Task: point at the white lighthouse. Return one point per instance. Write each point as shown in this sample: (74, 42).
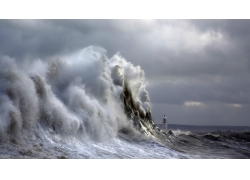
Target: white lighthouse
(164, 123)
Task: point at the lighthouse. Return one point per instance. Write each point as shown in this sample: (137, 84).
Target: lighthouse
(164, 123)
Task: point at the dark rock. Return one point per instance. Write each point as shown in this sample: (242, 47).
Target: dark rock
(170, 132)
(61, 157)
(211, 137)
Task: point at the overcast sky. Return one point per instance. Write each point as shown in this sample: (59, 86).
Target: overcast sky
(198, 71)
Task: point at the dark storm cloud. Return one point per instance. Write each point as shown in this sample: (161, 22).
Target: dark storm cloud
(235, 28)
(42, 38)
(220, 90)
(202, 61)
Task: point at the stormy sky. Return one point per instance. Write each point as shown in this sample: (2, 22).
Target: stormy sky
(197, 70)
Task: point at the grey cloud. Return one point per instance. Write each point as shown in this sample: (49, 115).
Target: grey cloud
(44, 38)
(220, 90)
(233, 27)
(236, 30)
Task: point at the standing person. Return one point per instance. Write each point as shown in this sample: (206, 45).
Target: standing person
(164, 122)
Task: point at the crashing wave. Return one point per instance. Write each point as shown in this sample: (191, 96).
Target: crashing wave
(85, 95)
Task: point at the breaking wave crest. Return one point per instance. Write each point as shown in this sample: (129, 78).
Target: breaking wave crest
(82, 105)
(80, 95)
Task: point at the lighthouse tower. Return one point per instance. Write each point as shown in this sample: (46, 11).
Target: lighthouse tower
(164, 123)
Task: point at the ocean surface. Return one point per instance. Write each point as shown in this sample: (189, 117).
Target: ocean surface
(88, 106)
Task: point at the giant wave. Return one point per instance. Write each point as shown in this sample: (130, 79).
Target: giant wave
(82, 105)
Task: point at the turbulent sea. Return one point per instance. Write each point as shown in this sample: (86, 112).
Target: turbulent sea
(88, 106)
